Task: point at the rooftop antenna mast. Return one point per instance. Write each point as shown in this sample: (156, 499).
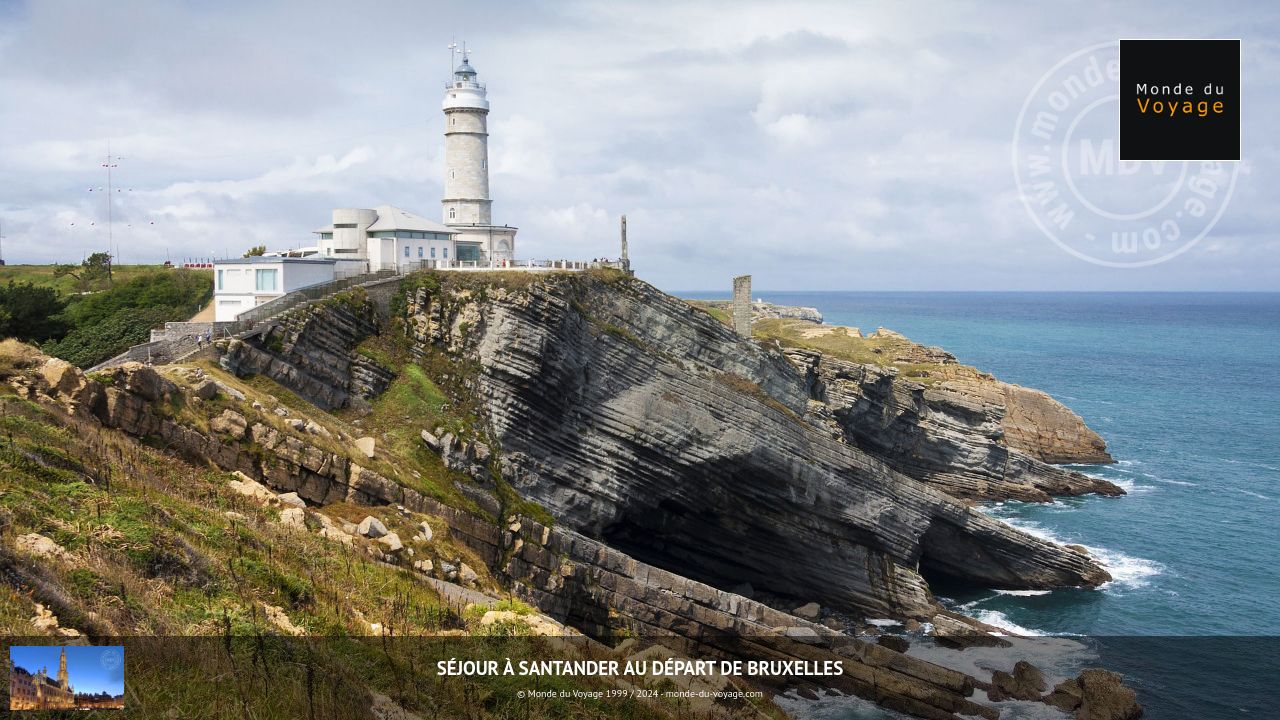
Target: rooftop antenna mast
(453, 54)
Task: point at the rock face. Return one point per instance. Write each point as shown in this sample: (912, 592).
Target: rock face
(311, 352)
(640, 421)
(951, 434)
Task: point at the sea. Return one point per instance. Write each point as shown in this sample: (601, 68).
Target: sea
(1185, 389)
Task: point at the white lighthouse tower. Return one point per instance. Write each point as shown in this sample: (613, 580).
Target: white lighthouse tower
(466, 204)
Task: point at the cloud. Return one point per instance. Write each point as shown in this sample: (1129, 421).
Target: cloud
(793, 141)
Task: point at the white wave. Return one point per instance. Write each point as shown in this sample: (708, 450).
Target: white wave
(1002, 621)
(1126, 571)
(1126, 484)
(1024, 593)
(1264, 466)
(1177, 482)
(881, 622)
(1260, 496)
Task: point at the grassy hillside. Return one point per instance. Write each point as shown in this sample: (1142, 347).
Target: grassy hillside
(230, 609)
(42, 276)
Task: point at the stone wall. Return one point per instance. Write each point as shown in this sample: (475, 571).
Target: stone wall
(740, 307)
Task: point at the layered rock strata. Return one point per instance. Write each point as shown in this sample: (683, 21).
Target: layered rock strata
(951, 434)
(639, 421)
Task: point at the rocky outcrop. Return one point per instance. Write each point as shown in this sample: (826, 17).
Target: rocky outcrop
(1047, 430)
(648, 425)
(1096, 694)
(761, 309)
(310, 350)
(588, 585)
(950, 434)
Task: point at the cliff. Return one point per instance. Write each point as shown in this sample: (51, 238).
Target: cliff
(603, 451)
(640, 421)
(1025, 420)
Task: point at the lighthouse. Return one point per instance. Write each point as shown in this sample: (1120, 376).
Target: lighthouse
(466, 205)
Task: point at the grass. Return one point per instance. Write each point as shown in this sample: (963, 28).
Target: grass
(913, 361)
(152, 552)
(42, 276)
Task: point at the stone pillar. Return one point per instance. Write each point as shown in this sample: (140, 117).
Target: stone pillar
(742, 305)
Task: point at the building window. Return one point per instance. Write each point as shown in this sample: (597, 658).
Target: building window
(345, 225)
(433, 253)
(326, 236)
(265, 280)
(453, 121)
(219, 279)
(446, 253)
(453, 213)
(452, 175)
(419, 251)
(406, 251)
(484, 164)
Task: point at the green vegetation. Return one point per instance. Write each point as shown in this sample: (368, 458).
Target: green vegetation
(210, 588)
(31, 313)
(886, 349)
(107, 323)
(65, 285)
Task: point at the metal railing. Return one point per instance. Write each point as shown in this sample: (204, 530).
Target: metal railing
(301, 295)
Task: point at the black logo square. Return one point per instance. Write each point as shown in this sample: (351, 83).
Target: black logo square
(1179, 99)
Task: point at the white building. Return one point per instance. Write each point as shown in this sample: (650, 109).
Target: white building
(245, 283)
(387, 238)
(466, 204)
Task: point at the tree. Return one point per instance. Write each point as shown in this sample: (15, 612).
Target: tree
(256, 251)
(30, 313)
(94, 269)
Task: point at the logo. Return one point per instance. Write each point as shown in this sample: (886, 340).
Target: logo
(1083, 196)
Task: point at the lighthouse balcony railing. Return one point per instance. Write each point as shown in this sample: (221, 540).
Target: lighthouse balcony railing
(463, 85)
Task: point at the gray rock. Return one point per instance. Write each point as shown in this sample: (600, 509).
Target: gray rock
(392, 542)
(230, 423)
(809, 611)
(206, 390)
(366, 445)
(424, 531)
(371, 527)
(466, 575)
(291, 499)
(431, 440)
(713, 421)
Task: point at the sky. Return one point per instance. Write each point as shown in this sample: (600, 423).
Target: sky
(90, 669)
(814, 145)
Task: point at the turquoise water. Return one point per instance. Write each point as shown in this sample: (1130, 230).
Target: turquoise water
(1185, 388)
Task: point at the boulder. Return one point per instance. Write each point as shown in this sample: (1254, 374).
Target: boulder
(894, 643)
(424, 532)
(228, 390)
(392, 542)
(1026, 682)
(293, 517)
(431, 440)
(206, 390)
(466, 574)
(291, 499)
(371, 527)
(1104, 697)
(41, 546)
(250, 488)
(423, 566)
(809, 611)
(230, 423)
